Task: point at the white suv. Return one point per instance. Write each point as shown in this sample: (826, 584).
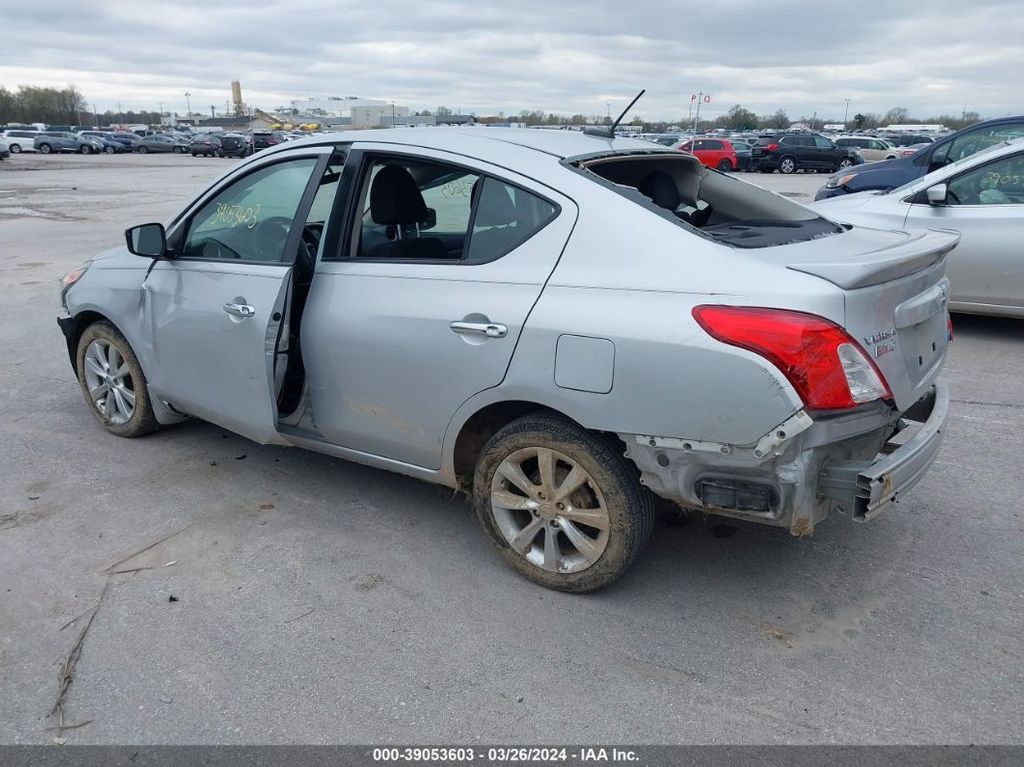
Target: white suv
(872, 148)
(20, 139)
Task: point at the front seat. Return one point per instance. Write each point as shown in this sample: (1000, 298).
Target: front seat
(395, 200)
(661, 188)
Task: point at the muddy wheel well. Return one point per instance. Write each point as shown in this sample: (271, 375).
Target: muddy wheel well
(483, 425)
(82, 321)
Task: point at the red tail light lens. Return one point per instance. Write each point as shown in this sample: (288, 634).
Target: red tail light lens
(828, 369)
(771, 147)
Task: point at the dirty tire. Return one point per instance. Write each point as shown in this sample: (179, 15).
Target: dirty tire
(629, 506)
(142, 420)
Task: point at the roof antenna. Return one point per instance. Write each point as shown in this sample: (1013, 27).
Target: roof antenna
(609, 130)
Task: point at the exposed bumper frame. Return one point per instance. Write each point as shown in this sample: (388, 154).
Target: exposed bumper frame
(867, 489)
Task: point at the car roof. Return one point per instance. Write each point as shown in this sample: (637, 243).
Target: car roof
(489, 143)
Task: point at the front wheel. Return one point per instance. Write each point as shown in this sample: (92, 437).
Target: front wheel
(109, 149)
(787, 165)
(15, 148)
(562, 505)
(113, 383)
(142, 150)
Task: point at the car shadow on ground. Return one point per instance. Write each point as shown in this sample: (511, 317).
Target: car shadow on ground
(694, 563)
(980, 326)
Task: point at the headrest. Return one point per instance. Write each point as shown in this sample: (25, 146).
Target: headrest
(395, 198)
(495, 206)
(662, 190)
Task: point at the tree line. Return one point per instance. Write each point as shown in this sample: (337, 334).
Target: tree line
(61, 106)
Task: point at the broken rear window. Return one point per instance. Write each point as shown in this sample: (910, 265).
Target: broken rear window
(718, 206)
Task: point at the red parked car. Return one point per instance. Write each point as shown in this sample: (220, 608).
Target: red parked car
(713, 152)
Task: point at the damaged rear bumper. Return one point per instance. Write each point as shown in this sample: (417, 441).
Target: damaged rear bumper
(865, 490)
(856, 463)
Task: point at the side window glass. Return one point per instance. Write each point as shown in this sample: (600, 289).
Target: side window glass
(250, 220)
(415, 210)
(312, 243)
(974, 142)
(506, 217)
(822, 143)
(995, 183)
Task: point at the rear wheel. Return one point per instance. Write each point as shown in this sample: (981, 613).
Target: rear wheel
(142, 150)
(113, 383)
(787, 165)
(725, 165)
(109, 149)
(562, 505)
(45, 148)
(845, 163)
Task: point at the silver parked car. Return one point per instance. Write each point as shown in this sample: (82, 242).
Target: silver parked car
(981, 197)
(564, 325)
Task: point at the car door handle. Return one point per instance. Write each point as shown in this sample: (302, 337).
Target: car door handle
(240, 310)
(489, 329)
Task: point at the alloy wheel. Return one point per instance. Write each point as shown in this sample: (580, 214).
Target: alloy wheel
(109, 381)
(549, 510)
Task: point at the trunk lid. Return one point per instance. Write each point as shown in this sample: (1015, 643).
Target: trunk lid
(896, 302)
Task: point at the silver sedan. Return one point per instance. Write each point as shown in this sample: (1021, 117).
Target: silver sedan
(982, 198)
(565, 326)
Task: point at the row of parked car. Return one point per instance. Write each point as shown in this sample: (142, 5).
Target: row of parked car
(785, 151)
(15, 141)
(790, 151)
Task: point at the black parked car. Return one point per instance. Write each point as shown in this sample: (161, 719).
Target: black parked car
(205, 144)
(234, 145)
(128, 140)
(110, 144)
(890, 174)
(261, 139)
(790, 152)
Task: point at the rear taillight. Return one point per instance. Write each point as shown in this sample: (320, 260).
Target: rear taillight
(770, 147)
(828, 369)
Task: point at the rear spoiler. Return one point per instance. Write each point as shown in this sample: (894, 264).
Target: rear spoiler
(919, 251)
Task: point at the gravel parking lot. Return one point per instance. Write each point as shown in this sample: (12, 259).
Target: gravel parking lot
(295, 598)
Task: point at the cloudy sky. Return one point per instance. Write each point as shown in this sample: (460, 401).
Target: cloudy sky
(931, 56)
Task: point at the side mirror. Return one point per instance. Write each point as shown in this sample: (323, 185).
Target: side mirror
(148, 240)
(431, 220)
(936, 194)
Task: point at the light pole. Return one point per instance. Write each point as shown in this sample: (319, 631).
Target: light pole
(188, 106)
(846, 114)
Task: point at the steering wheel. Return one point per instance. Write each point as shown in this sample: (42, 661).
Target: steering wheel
(305, 259)
(270, 236)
